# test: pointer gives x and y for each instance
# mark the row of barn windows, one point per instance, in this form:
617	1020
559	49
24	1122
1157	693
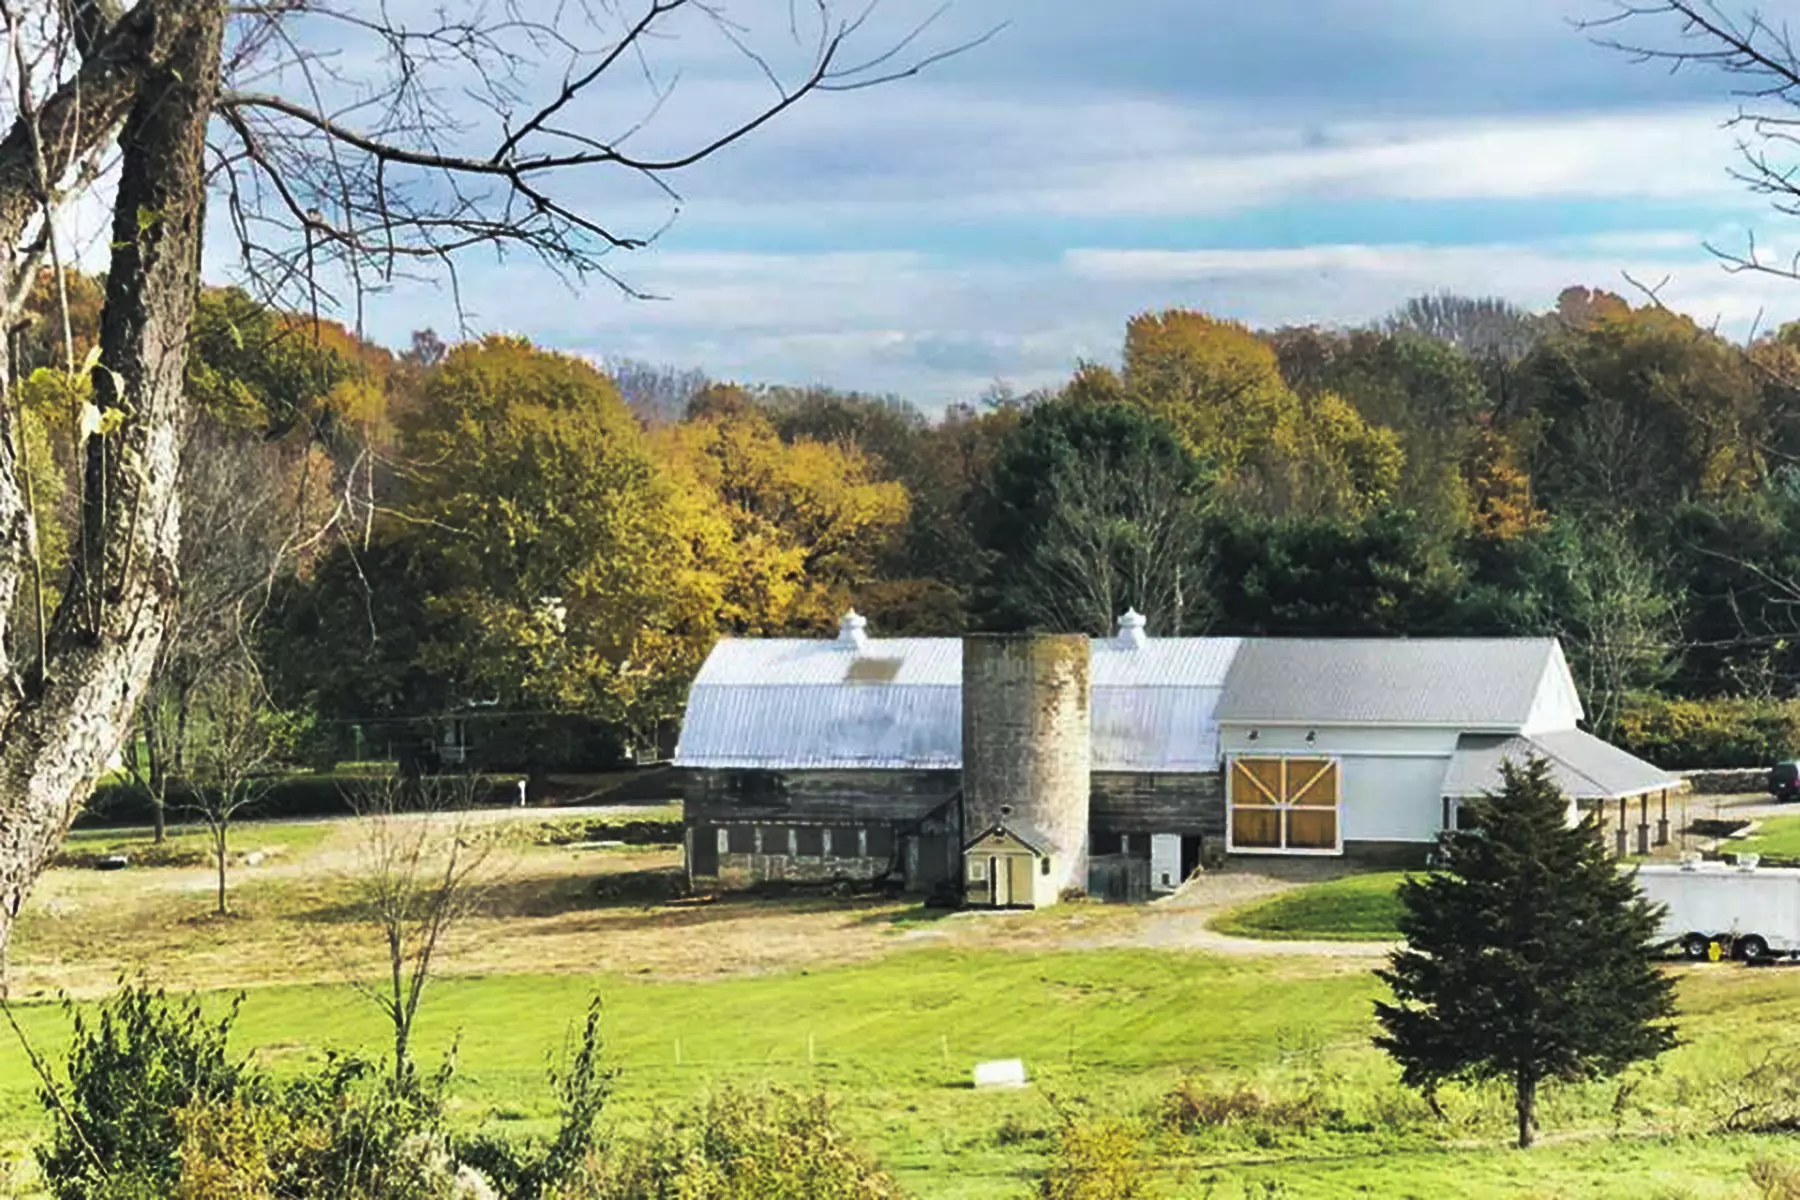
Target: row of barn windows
809	841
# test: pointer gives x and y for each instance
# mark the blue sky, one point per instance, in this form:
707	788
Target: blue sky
1003	215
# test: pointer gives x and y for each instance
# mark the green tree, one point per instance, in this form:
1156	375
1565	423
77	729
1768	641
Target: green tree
1093	509
1529	956
572	582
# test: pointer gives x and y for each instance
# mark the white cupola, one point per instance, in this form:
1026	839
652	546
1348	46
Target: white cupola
852	629
1131	629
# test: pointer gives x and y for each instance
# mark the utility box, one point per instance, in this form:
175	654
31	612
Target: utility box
1748	911
1004	1073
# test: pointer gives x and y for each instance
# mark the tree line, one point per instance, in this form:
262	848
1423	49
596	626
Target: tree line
497	529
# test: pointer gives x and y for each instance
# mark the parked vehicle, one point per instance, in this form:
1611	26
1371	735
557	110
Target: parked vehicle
1784	781
1748	912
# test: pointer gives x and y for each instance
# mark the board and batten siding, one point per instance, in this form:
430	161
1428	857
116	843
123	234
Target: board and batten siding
1142	802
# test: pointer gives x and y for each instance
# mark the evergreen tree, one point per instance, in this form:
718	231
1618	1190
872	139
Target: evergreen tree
1528	956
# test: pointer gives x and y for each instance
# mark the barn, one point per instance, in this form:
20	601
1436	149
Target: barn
1116	765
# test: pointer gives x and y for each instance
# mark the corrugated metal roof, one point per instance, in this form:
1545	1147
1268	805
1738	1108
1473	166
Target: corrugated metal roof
1583	766
1163	662
1474	683
789	726
896	703
817	662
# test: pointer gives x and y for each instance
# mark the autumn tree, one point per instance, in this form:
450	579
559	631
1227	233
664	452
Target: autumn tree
328	182
570	582
1640	407
1093	509
1529	956
790	530
1221	388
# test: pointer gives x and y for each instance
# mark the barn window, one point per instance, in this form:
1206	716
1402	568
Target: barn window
844	842
977	869
1108	843
740	839
881	841
1285	805
1044	865
809	841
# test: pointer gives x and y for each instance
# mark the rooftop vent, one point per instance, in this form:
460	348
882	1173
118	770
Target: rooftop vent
851	629
1131	629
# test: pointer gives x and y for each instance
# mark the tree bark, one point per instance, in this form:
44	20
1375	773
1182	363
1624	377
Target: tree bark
1525	1100
163	63
219	845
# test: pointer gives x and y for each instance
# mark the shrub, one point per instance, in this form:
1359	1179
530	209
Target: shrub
1194	1106
131	1068
1775	1180
736	1146
1097	1158
1718	733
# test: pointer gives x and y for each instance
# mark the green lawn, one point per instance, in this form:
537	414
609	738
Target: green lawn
283	837
895	1040
1354	909
1777	837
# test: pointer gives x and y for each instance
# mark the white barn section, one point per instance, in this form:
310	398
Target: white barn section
1367	745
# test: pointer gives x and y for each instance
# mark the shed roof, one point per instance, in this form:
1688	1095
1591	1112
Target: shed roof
1024	832
1475	684
1583	766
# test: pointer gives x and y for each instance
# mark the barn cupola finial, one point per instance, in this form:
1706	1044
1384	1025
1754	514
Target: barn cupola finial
1131	629
853	629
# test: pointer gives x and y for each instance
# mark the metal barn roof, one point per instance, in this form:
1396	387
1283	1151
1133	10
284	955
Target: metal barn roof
894	703
1477	684
1582	766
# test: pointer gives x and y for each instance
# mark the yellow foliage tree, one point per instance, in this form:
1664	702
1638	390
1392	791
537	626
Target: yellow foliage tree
1221	388
791	530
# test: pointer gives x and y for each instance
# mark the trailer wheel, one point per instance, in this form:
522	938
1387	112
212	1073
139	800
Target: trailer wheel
1695	946
1752	948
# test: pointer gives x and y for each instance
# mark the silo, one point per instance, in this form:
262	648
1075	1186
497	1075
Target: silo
1026	742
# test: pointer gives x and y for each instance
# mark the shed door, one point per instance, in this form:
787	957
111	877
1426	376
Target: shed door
704	850
999	881
1285	804
1165	862
1022	866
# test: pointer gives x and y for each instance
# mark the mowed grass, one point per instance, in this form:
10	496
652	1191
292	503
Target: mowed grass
1777	837
244	836
888	1007
1353	909
894	1042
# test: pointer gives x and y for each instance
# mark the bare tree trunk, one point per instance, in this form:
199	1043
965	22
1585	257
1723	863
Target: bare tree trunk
1525	1099
219	857
104	641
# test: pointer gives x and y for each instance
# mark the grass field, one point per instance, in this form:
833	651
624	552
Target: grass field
1777	837
1357	908
888	1007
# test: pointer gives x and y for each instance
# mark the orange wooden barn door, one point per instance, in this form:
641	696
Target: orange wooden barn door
1284	804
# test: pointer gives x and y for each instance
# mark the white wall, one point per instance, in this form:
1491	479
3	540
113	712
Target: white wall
1393	799
1393	778
1557	705
1347	740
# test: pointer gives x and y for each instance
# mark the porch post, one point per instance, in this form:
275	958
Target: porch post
1643	839
1662	825
1621	842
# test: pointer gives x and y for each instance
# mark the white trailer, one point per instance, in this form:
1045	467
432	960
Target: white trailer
1749	912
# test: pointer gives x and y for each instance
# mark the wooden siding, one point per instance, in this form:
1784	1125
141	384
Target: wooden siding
898	796
1133	802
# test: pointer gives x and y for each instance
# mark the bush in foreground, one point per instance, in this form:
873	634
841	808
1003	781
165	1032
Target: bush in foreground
152	1107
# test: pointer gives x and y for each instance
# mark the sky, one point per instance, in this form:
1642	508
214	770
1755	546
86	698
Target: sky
1001	216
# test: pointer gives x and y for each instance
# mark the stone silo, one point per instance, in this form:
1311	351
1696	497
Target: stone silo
1026	741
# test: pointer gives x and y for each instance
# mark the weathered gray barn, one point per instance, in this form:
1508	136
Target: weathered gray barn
1127	759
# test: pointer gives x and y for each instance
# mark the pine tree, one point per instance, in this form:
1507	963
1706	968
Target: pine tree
1529	956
